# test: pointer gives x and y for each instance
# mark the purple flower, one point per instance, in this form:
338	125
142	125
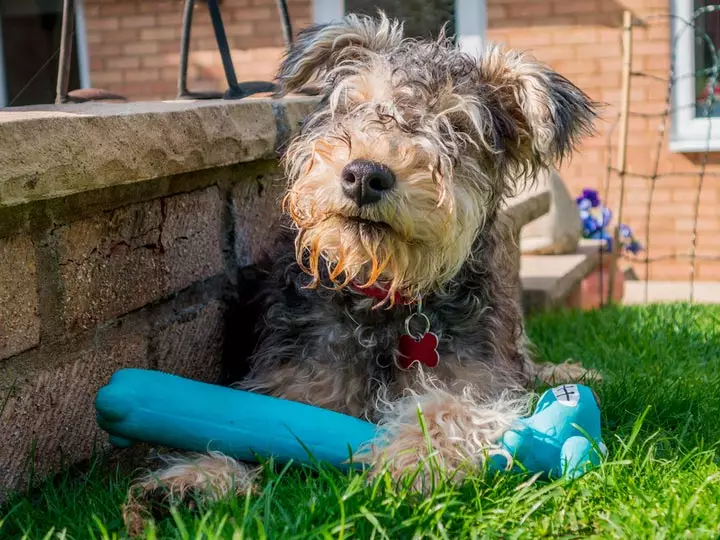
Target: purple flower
634	247
606	215
584	204
590	195
590	225
601	234
625	231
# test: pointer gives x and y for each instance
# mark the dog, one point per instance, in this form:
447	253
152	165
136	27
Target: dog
395	291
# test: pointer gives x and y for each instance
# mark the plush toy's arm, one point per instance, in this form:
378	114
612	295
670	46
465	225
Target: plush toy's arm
158	408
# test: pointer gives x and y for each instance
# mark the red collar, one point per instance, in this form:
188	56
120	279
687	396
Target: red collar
380	293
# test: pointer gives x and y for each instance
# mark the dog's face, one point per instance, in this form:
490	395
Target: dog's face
413	149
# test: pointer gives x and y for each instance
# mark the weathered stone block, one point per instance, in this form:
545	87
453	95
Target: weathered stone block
192	237
119	261
19	320
192	346
258	212
49	418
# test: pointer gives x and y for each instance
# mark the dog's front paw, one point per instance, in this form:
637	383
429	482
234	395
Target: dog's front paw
413	457
439	436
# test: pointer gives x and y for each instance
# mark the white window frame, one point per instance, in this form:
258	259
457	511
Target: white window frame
688	132
470	21
83	54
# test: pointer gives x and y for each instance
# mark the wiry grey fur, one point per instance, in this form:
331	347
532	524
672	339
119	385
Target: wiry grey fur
481	128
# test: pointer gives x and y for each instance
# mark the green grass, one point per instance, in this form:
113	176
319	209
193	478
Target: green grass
661	412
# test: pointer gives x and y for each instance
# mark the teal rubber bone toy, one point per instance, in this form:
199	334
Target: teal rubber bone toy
164	409
561	438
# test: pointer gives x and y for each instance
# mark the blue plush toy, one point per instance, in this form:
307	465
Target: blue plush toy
562	437
159	408
164	409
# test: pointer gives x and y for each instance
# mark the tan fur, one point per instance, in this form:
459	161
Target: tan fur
461	429
214	476
410	253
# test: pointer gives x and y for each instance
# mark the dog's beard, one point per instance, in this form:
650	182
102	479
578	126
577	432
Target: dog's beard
347	250
410	244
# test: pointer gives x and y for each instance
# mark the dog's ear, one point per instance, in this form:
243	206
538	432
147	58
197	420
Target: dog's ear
318	49
549	112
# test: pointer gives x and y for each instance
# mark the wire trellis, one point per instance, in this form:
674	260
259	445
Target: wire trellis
663	117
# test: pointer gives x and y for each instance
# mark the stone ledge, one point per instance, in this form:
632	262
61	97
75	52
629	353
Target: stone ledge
548	280
54	151
527	207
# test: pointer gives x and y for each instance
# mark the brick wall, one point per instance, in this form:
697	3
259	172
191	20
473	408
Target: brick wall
137	272
134	51
134	45
582	40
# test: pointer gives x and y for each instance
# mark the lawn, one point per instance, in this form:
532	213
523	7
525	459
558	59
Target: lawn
661	413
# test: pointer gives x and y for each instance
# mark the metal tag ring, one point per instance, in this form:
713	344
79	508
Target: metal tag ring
409	319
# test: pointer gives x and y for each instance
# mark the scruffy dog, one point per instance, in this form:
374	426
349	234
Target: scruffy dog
397	292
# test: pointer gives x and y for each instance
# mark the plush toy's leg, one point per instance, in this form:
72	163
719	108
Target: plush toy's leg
577	455
212	476
455	434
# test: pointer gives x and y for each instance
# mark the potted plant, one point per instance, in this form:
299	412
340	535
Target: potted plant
596	218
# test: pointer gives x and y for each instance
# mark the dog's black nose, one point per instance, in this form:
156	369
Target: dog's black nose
365	181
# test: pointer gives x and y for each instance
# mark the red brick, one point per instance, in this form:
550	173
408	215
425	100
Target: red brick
110	23
703	223
127	35
171	19
164	6
259	14
586	35
239	29
138	21
141	48
530	38
495	12
529	9
103	50
159	33
115	9
574	6
161	60
122	63
141	75
106	77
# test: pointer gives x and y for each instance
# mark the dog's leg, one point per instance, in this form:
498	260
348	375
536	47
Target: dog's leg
439	433
565	372
213	476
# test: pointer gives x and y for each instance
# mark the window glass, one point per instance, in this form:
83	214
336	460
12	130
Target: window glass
423	18
30	32
707	48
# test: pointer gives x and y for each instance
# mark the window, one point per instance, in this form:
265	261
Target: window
468	18
696	91
29	45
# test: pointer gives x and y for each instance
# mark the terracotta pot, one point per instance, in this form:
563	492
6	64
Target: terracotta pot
593	290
